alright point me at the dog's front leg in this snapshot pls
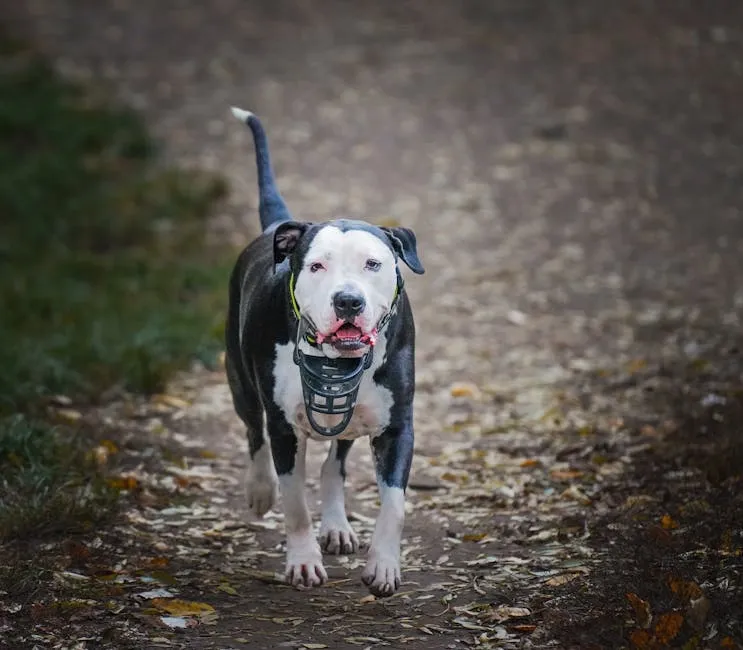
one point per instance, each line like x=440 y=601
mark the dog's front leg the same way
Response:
x=303 y=557
x=336 y=535
x=393 y=454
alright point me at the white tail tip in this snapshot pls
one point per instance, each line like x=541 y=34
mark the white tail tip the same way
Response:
x=240 y=114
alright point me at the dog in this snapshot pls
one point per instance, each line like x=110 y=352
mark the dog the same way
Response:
x=320 y=344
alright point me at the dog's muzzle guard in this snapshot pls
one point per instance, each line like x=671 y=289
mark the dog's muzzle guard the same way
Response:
x=331 y=386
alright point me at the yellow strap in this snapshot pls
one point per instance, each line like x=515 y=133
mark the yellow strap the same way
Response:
x=295 y=307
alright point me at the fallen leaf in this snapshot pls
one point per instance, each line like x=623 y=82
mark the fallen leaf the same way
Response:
x=727 y=642
x=464 y=389
x=314 y=646
x=370 y=598
x=668 y=522
x=174 y=621
x=170 y=400
x=155 y=593
x=636 y=365
x=565 y=475
x=123 y=483
x=178 y=607
x=685 y=590
x=562 y=579
x=523 y=628
x=574 y=493
x=504 y=612
x=158 y=561
x=360 y=640
x=69 y=415
x=696 y=613
x=530 y=462
x=641 y=639
x=668 y=626
x=228 y=589
x=643 y=615
x=473 y=537
x=209 y=455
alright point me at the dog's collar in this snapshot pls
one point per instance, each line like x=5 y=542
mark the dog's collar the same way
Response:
x=330 y=386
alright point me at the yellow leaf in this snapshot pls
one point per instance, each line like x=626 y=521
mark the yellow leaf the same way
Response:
x=70 y=415
x=473 y=537
x=228 y=589
x=123 y=483
x=668 y=626
x=685 y=590
x=170 y=400
x=464 y=389
x=668 y=522
x=178 y=607
x=205 y=453
x=636 y=365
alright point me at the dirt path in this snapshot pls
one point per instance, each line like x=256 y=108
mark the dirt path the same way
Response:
x=573 y=173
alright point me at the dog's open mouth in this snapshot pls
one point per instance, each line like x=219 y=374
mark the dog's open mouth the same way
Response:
x=349 y=337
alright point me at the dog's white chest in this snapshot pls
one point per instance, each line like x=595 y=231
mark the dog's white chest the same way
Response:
x=370 y=417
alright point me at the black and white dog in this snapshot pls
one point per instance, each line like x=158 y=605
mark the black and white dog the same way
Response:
x=320 y=344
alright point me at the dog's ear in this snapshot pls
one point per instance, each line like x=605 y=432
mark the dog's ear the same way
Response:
x=285 y=239
x=404 y=244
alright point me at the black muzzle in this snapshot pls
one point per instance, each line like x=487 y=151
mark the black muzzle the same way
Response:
x=330 y=386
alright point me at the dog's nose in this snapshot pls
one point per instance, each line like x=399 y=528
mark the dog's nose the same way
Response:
x=348 y=304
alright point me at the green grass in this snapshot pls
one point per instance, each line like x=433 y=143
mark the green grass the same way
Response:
x=105 y=280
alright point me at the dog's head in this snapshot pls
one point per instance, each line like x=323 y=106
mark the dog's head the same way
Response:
x=345 y=277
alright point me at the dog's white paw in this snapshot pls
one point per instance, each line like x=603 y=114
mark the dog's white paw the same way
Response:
x=262 y=484
x=262 y=495
x=381 y=574
x=304 y=562
x=337 y=537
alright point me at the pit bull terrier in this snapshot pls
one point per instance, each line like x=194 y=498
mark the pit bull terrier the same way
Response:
x=320 y=344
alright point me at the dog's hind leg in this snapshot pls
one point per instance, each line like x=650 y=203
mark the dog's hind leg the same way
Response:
x=261 y=480
x=336 y=535
x=303 y=556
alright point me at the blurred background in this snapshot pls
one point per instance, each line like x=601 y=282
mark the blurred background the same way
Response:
x=572 y=169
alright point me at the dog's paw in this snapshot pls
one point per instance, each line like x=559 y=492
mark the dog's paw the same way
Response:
x=381 y=574
x=262 y=485
x=304 y=562
x=337 y=537
x=262 y=496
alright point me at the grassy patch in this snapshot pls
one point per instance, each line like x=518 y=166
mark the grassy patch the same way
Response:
x=105 y=281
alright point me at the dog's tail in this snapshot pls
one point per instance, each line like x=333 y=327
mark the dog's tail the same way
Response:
x=271 y=206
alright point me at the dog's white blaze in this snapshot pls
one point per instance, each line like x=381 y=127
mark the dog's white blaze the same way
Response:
x=344 y=256
x=373 y=404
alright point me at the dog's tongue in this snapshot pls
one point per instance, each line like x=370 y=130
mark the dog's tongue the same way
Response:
x=348 y=332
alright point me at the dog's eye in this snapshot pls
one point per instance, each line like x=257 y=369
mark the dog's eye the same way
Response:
x=315 y=267
x=373 y=265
